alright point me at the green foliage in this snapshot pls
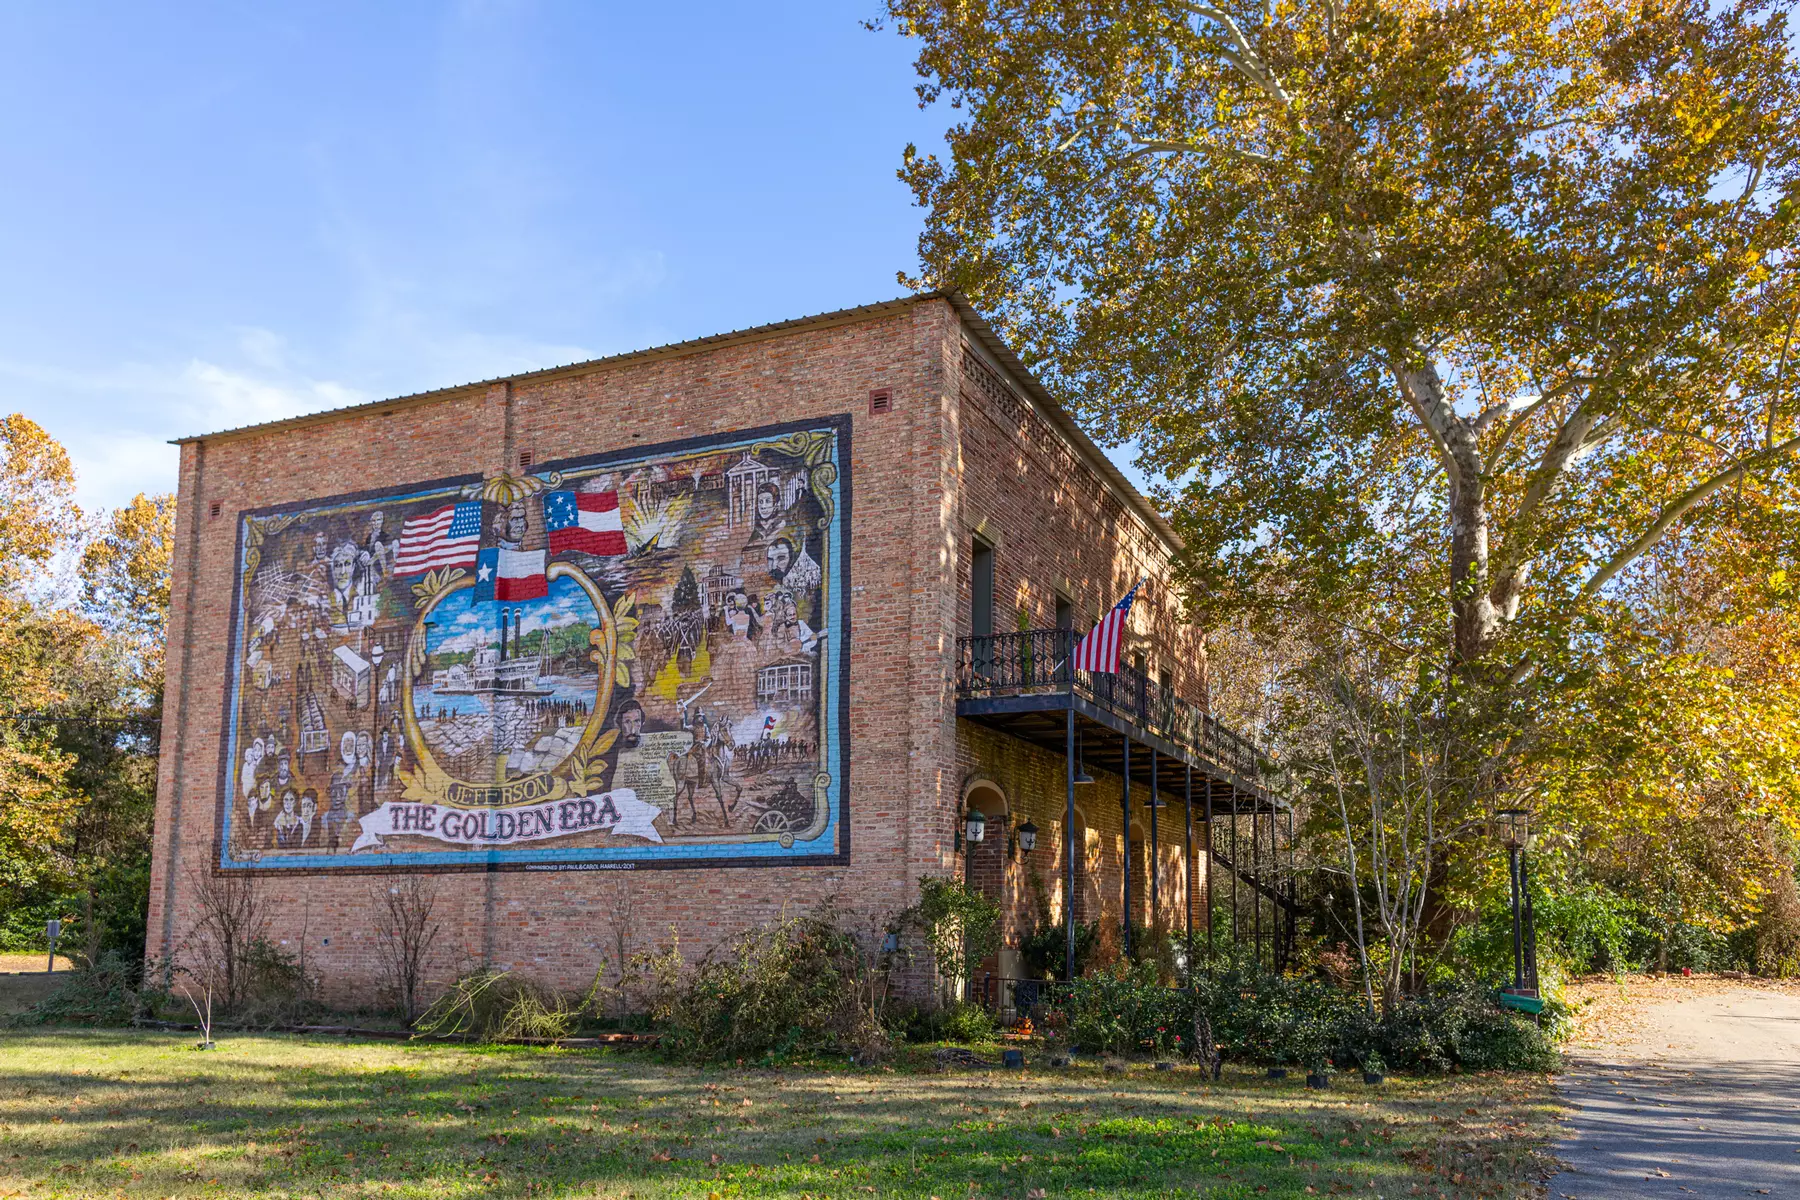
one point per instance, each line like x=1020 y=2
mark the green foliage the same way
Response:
x=964 y=1022
x=793 y=987
x=1044 y=950
x=105 y=993
x=961 y=925
x=1262 y=1016
x=496 y=1006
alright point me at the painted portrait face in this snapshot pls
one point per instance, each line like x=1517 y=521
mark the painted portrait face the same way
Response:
x=309 y=804
x=287 y=802
x=321 y=547
x=347 y=749
x=781 y=557
x=375 y=522
x=515 y=522
x=631 y=724
x=363 y=747
x=765 y=505
x=343 y=566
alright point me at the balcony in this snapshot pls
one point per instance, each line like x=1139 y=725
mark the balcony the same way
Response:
x=1023 y=684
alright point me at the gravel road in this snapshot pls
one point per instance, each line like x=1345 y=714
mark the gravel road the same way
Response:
x=1700 y=1098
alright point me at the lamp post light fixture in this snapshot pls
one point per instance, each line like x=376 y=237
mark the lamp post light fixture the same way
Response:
x=1513 y=827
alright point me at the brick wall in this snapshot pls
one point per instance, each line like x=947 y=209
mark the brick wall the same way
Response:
x=955 y=455
x=555 y=925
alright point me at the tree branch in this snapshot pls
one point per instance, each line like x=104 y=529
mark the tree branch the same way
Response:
x=1679 y=507
x=1249 y=63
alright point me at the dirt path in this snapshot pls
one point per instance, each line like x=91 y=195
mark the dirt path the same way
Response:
x=1693 y=1090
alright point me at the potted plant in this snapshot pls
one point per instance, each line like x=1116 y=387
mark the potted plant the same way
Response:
x=1374 y=1069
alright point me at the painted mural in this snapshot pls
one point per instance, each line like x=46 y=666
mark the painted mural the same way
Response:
x=633 y=660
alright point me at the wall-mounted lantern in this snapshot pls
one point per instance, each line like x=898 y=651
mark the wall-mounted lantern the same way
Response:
x=975 y=827
x=1028 y=837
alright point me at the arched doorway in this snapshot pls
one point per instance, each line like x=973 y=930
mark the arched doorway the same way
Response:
x=985 y=870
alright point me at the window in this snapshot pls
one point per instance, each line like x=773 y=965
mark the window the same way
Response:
x=981 y=590
x=1166 y=679
x=1065 y=612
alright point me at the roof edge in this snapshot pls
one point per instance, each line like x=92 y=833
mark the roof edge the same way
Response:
x=970 y=317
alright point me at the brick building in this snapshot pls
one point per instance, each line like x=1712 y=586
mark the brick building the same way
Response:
x=669 y=641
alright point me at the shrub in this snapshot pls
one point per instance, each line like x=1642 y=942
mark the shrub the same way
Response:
x=105 y=993
x=497 y=1006
x=790 y=988
x=961 y=925
x=968 y=1023
x=1261 y=1016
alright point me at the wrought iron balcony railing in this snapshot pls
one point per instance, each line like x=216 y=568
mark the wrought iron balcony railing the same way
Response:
x=1038 y=662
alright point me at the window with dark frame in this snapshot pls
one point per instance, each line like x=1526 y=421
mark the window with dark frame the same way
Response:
x=981 y=589
x=1065 y=612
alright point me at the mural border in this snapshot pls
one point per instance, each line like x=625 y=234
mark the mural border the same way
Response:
x=841 y=425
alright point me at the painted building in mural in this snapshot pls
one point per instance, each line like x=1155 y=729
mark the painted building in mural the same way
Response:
x=666 y=643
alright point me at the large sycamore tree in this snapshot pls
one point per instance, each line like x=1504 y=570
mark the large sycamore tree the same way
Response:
x=1506 y=284
x=1468 y=328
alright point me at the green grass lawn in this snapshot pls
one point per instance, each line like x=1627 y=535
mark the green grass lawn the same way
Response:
x=128 y=1114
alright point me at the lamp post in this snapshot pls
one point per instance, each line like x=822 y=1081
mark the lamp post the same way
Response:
x=1513 y=827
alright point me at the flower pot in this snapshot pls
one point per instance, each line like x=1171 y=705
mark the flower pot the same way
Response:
x=1277 y=1072
x=1373 y=1077
x=1012 y=1058
x=1165 y=1066
x=1317 y=1079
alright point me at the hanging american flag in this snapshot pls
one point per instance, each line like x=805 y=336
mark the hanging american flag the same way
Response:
x=1099 y=650
x=449 y=537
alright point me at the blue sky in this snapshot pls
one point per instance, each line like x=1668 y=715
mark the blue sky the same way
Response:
x=221 y=214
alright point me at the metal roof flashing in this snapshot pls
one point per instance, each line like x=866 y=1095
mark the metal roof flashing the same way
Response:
x=972 y=321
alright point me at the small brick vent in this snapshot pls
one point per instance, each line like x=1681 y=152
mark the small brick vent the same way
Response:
x=216 y=509
x=881 y=402
x=525 y=460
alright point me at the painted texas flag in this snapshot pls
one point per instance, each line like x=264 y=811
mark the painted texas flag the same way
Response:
x=584 y=521
x=510 y=575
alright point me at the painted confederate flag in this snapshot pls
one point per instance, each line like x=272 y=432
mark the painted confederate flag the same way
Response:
x=1099 y=650
x=510 y=575
x=449 y=537
x=584 y=521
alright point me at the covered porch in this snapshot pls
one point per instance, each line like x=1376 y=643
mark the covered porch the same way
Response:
x=1192 y=796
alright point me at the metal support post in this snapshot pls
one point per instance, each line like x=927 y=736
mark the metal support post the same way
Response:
x=1212 y=948
x=1154 y=867
x=1512 y=854
x=1125 y=805
x=1187 y=864
x=1256 y=873
x=1237 y=864
x=1069 y=847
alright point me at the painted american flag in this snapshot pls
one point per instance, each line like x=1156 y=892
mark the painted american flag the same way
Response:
x=449 y=537
x=1099 y=650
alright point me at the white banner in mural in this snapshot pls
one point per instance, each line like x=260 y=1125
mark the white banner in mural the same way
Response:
x=618 y=812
